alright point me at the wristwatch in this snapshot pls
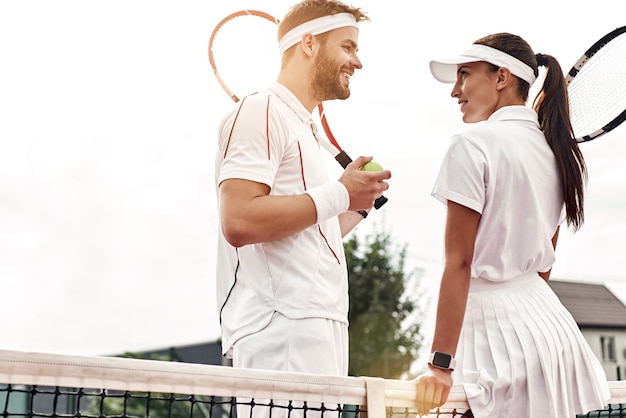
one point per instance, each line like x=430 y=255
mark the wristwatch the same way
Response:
x=442 y=360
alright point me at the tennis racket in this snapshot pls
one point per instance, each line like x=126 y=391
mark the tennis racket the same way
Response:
x=596 y=86
x=232 y=51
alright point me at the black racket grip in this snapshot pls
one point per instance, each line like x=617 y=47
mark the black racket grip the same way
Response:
x=344 y=159
x=378 y=203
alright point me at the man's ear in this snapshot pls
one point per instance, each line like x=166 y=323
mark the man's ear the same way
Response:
x=307 y=43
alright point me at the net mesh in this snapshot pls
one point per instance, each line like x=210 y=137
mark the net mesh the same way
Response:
x=57 y=386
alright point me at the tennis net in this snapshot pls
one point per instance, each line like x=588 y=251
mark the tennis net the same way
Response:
x=39 y=385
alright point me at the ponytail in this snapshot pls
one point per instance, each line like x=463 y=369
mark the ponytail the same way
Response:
x=552 y=107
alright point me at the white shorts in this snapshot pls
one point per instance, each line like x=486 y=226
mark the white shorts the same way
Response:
x=309 y=345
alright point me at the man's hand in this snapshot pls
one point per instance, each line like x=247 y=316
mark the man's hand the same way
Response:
x=364 y=186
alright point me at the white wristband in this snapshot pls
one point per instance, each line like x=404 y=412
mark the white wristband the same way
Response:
x=330 y=200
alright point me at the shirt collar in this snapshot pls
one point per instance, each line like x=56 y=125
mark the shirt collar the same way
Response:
x=518 y=112
x=290 y=100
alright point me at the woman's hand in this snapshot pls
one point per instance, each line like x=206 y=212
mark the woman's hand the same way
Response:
x=433 y=388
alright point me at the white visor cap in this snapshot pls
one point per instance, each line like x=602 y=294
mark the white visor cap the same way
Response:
x=445 y=70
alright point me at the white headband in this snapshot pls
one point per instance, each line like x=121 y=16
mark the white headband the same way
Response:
x=315 y=27
x=444 y=70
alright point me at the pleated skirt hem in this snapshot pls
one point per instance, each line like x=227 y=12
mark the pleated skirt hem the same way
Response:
x=525 y=353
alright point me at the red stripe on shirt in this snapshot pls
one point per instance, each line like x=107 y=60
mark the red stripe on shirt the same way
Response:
x=301 y=166
x=267 y=126
x=319 y=228
x=232 y=128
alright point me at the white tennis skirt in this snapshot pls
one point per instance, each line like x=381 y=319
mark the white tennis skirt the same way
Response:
x=525 y=353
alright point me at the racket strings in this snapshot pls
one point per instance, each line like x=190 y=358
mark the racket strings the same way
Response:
x=597 y=94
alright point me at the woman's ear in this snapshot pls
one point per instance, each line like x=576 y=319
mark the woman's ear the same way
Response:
x=504 y=77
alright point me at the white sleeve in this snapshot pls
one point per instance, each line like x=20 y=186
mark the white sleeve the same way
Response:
x=251 y=143
x=463 y=176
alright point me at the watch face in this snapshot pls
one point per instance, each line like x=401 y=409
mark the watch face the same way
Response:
x=442 y=359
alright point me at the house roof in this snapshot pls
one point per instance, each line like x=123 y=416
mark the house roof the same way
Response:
x=592 y=305
x=202 y=353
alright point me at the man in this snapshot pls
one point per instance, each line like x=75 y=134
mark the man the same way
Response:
x=282 y=284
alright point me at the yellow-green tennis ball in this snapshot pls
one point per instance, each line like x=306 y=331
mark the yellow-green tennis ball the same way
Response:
x=372 y=166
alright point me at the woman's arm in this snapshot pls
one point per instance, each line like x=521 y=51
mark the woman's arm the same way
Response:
x=460 y=234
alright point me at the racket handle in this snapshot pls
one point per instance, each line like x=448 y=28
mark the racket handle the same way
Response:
x=379 y=202
x=344 y=159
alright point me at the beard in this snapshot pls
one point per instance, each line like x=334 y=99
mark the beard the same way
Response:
x=326 y=82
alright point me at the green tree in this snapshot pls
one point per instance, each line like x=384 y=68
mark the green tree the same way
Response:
x=384 y=331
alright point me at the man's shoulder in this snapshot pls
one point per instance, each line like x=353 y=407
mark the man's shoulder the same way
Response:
x=265 y=100
x=258 y=97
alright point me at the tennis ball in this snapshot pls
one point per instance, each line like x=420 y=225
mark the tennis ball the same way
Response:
x=372 y=166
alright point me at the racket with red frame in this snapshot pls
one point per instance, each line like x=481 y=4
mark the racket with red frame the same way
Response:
x=241 y=63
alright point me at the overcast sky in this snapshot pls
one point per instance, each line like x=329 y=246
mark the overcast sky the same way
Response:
x=108 y=120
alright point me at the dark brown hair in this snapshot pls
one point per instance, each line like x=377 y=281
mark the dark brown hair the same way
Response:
x=552 y=106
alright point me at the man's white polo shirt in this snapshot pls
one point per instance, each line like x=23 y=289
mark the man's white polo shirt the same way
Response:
x=300 y=276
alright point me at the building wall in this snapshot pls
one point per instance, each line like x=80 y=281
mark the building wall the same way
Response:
x=594 y=337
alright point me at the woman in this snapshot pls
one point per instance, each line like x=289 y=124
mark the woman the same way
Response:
x=508 y=185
